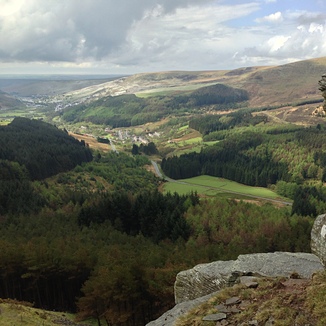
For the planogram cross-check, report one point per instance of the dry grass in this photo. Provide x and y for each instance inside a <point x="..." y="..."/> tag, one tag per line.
<point x="92" y="142"/>
<point x="14" y="313"/>
<point x="288" y="302"/>
<point x="266" y="85"/>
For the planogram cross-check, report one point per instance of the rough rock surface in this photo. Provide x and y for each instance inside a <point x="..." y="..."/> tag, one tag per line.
<point x="169" y="318"/>
<point x="322" y="87"/>
<point x="207" y="278"/>
<point x="318" y="238"/>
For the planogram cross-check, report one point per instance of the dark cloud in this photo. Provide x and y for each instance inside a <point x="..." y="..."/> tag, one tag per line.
<point x="149" y="35"/>
<point x="308" y="18"/>
<point x="73" y="30"/>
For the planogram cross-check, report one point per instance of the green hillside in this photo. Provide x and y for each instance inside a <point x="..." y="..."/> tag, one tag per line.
<point x="130" y="110"/>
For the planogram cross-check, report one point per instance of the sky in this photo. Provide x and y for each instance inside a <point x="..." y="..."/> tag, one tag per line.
<point x="134" y="36"/>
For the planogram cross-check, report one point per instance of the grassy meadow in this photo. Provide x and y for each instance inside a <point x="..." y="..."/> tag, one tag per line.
<point x="22" y="313"/>
<point x="212" y="186"/>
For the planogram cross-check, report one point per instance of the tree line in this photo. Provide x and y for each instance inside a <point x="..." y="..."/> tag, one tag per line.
<point x="207" y="124"/>
<point x="229" y="160"/>
<point x="152" y="214"/>
<point x="264" y="156"/>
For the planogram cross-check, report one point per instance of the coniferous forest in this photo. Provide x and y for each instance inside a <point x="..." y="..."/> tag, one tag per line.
<point x="285" y="158"/>
<point x="90" y="233"/>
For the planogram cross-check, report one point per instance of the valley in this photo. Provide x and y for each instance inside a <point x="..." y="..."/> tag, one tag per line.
<point x="111" y="186"/>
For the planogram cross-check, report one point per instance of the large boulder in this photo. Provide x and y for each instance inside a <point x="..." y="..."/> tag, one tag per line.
<point x="204" y="279"/>
<point x="318" y="238"/>
<point x="322" y="87"/>
<point x="169" y="317"/>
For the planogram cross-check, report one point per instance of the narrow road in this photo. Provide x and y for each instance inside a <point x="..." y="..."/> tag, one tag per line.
<point x="157" y="170"/>
<point x="114" y="149"/>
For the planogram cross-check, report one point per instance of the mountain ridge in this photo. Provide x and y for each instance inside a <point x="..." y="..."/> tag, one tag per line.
<point x="267" y="85"/>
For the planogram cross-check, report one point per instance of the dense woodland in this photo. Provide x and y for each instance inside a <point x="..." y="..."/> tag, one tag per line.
<point x="42" y="149"/>
<point x="291" y="159"/>
<point x="90" y="232"/>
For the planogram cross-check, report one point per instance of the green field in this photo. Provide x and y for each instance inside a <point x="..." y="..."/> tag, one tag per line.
<point x="8" y="115"/>
<point x="212" y="186"/>
<point x="195" y="140"/>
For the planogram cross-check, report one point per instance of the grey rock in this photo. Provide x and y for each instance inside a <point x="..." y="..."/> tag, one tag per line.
<point x="253" y="323"/>
<point x="197" y="285"/>
<point x="249" y="281"/>
<point x="322" y="88"/>
<point x="206" y="278"/>
<point x="252" y="285"/>
<point x="227" y="309"/>
<point x="233" y="310"/>
<point x="169" y="317"/>
<point x="223" y="322"/>
<point x="270" y="322"/>
<point x="279" y="264"/>
<point x="232" y="301"/>
<point x="244" y="304"/>
<point x="318" y="238"/>
<point x="215" y="317"/>
<point x="222" y="308"/>
<point x="201" y="280"/>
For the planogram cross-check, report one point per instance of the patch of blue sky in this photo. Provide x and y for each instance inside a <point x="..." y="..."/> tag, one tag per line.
<point x="267" y="8"/>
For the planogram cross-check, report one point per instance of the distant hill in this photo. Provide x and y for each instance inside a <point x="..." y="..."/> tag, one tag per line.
<point x="7" y="101"/>
<point x="49" y="85"/>
<point x="283" y="84"/>
<point x="129" y="110"/>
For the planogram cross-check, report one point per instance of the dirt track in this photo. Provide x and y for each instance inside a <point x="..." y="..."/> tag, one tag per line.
<point x="92" y="142"/>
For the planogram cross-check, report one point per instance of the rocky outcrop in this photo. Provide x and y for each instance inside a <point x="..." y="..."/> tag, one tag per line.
<point x="195" y="286"/>
<point x="318" y="238"/>
<point x="322" y="88"/>
<point x="169" y="318"/>
<point x="207" y="278"/>
<point x="214" y="276"/>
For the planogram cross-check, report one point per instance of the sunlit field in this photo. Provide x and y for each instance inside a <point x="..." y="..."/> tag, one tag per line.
<point x="213" y="186"/>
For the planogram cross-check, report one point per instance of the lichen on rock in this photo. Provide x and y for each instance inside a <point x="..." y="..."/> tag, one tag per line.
<point x="318" y="238"/>
<point x="206" y="278"/>
<point x="322" y="88"/>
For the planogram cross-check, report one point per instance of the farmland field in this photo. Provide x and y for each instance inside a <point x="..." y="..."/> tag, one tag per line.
<point x="213" y="186"/>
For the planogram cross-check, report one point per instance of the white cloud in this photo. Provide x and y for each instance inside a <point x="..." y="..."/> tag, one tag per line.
<point x="316" y="28"/>
<point x="130" y="36"/>
<point x="277" y="42"/>
<point x="9" y="7"/>
<point x="186" y="35"/>
<point x="272" y="18"/>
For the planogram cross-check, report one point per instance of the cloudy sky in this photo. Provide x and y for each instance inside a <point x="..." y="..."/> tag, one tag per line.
<point x="131" y="36"/>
